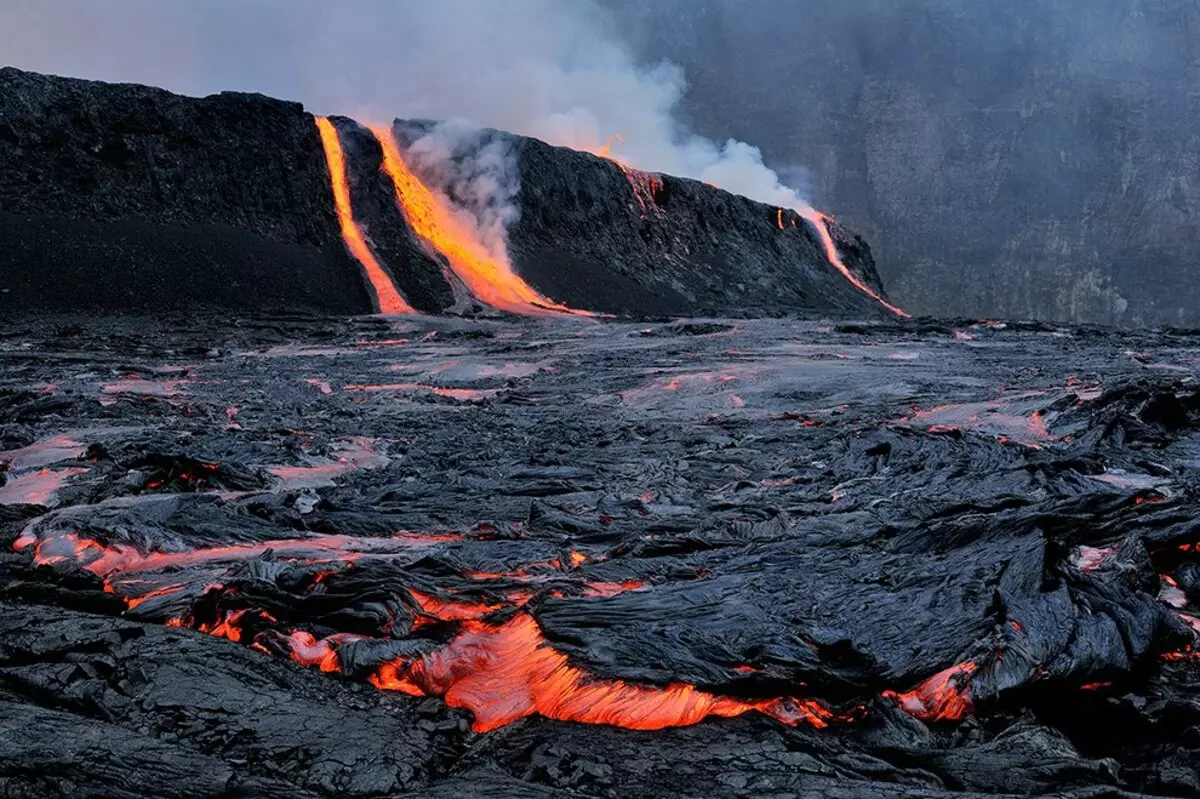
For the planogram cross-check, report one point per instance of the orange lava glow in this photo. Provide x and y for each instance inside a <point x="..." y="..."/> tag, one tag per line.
<point x="507" y="672"/>
<point x="307" y="650"/>
<point x="606" y="590"/>
<point x="442" y="609"/>
<point x="387" y="297"/>
<point x="36" y="488"/>
<point x="943" y="697"/>
<point x="644" y="184"/>
<point x="489" y="278"/>
<point x="133" y="602"/>
<point x="821" y="223"/>
<point x="104" y="561"/>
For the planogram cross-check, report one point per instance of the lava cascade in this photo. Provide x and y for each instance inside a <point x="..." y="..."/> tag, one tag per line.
<point x="490" y="279"/>
<point x="820" y="223"/>
<point x="387" y="297"/>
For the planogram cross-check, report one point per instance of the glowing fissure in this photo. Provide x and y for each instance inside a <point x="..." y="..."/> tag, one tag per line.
<point x="942" y="697"/>
<point x="645" y="186"/>
<point x="387" y="297"/>
<point x="489" y="278"/>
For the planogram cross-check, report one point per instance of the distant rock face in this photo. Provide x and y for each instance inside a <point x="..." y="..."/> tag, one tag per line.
<point x="1033" y="158"/>
<point x="129" y="198"/>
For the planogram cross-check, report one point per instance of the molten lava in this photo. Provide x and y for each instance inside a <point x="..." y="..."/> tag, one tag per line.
<point x="387" y="297"/>
<point x="943" y="697"/>
<point x="488" y="277"/>
<point x="821" y="223"/>
<point x="645" y="185"/>
<point x="505" y="672"/>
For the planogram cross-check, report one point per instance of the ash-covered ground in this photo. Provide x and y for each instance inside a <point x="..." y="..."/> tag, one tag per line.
<point x="310" y="557"/>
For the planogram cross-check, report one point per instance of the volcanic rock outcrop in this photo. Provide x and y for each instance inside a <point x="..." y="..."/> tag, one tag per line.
<point x="131" y="198"/>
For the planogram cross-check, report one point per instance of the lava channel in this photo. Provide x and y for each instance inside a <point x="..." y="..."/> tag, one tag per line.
<point x="820" y="223"/>
<point x="489" y="278"/>
<point x="387" y="296"/>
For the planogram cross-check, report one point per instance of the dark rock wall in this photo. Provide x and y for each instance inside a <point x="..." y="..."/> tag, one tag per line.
<point x="116" y="196"/>
<point x="1032" y="158"/>
<point x="132" y="198"/>
<point x="585" y="231"/>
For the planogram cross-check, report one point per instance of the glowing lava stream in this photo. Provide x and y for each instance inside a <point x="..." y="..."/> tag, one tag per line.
<point x="501" y="668"/>
<point x="489" y="278"/>
<point x="387" y="297"/>
<point x="821" y="223"/>
<point x="505" y="672"/>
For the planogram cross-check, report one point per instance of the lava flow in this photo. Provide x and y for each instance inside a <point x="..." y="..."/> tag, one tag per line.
<point x="821" y="223"/>
<point x="942" y="697"/>
<point x="387" y="297"/>
<point x="488" y="277"/>
<point x="505" y="672"/>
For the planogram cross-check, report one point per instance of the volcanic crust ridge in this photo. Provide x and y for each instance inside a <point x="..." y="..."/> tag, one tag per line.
<point x="125" y="197"/>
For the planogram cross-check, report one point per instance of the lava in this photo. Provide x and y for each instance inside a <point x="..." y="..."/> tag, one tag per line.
<point x="36" y="488"/>
<point x="387" y="297"/>
<point x="489" y="278"/>
<point x="505" y="672"/>
<point x="645" y="185"/>
<point x="118" y="559"/>
<point x="942" y="697"/>
<point x="460" y="394"/>
<point x="43" y="453"/>
<point x="352" y="455"/>
<point x="821" y="223"/>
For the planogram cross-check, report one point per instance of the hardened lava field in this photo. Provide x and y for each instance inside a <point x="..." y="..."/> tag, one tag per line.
<point x="293" y="556"/>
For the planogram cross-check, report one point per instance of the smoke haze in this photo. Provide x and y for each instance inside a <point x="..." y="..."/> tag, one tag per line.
<point x="545" y="68"/>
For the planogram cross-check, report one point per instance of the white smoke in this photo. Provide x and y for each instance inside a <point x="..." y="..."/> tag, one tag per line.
<point x="554" y="69"/>
<point x="478" y="176"/>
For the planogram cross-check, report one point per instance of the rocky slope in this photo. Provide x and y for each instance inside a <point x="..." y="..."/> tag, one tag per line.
<point x="132" y="198"/>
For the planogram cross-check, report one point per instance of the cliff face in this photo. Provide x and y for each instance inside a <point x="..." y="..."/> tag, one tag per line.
<point x="131" y="198"/>
<point x="1034" y="158"/>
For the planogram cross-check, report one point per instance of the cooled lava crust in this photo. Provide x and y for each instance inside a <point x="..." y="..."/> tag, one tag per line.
<point x="293" y="556"/>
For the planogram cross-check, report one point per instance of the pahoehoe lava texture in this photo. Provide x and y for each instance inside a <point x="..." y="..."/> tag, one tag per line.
<point x="130" y="198"/>
<point x="926" y="561"/>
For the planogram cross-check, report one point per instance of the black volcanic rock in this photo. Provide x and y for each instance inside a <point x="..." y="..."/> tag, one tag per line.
<point x="132" y="198"/>
<point x="118" y="196"/>
<point x="1024" y="159"/>
<point x="760" y="509"/>
<point x="587" y="227"/>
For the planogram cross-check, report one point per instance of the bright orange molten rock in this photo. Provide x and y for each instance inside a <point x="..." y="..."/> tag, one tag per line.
<point x="505" y="672"/>
<point x="386" y="295"/>
<point x="491" y="279"/>
<point x="821" y="222"/>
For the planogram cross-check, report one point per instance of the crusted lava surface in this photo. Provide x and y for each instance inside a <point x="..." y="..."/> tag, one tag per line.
<point x="299" y="556"/>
